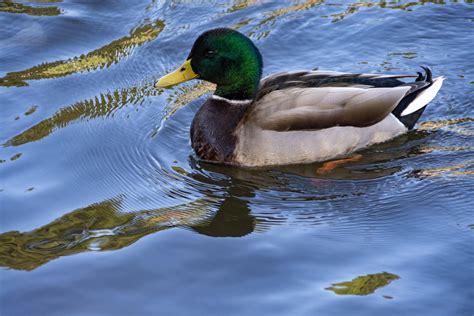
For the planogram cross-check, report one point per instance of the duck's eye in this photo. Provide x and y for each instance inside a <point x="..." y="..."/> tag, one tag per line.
<point x="210" y="53"/>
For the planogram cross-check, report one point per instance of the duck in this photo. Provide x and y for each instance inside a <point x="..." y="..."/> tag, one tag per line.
<point x="294" y="117"/>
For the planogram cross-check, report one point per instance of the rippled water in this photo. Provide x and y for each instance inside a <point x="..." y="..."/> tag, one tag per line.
<point x="105" y="210"/>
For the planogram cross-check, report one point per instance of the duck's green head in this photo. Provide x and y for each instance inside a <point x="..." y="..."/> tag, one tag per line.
<point x="224" y="57"/>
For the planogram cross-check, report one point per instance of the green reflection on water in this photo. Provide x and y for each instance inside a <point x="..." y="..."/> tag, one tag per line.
<point x="103" y="57"/>
<point x="12" y="7"/>
<point x="363" y="285"/>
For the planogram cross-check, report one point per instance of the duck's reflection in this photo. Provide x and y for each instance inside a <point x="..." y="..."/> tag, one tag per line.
<point x="233" y="218"/>
<point x="105" y="226"/>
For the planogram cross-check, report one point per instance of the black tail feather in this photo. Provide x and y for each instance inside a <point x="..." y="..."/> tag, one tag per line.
<point x="420" y="77"/>
<point x="422" y="82"/>
<point x="429" y="74"/>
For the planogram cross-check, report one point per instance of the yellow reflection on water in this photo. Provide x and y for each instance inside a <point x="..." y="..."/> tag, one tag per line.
<point x="100" y="106"/>
<point x="13" y="7"/>
<point x="363" y="285"/>
<point x="105" y="104"/>
<point x="272" y="15"/>
<point x="350" y="8"/>
<point x="396" y="5"/>
<point x="465" y="168"/>
<point x="293" y="8"/>
<point x="186" y="94"/>
<point x="430" y="149"/>
<point x="243" y="4"/>
<point x="428" y="125"/>
<point x="103" y="57"/>
<point x="449" y="123"/>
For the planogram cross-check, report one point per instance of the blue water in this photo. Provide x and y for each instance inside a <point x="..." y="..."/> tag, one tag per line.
<point x="105" y="210"/>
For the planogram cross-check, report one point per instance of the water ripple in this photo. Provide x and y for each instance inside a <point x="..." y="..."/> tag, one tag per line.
<point x="98" y="160"/>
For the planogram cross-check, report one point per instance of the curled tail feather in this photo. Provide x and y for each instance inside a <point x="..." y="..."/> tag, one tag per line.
<point x="423" y="91"/>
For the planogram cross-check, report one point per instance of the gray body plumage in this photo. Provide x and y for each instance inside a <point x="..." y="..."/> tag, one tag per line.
<point x="260" y="147"/>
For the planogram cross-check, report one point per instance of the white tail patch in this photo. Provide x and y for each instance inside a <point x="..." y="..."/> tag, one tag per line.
<point x="424" y="97"/>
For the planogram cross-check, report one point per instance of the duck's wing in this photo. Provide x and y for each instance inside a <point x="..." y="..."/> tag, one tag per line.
<point x="313" y="99"/>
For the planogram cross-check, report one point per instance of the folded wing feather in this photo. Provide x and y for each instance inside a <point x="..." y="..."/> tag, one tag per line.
<point x="316" y="108"/>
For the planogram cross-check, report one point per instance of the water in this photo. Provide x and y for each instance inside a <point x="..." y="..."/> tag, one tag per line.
<point x="105" y="210"/>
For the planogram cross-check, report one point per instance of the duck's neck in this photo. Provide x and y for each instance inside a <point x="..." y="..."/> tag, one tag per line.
<point x="239" y="90"/>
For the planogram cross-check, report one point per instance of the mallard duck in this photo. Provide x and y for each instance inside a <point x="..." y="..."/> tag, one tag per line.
<point x="292" y="117"/>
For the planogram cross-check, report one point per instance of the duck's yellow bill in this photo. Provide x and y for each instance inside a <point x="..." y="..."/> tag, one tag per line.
<point x="183" y="73"/>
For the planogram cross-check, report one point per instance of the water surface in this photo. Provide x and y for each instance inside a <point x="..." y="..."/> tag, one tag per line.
<point x="105" y="210"/>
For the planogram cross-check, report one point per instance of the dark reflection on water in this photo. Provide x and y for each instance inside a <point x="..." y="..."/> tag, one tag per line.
<point x="94" y="159"/>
